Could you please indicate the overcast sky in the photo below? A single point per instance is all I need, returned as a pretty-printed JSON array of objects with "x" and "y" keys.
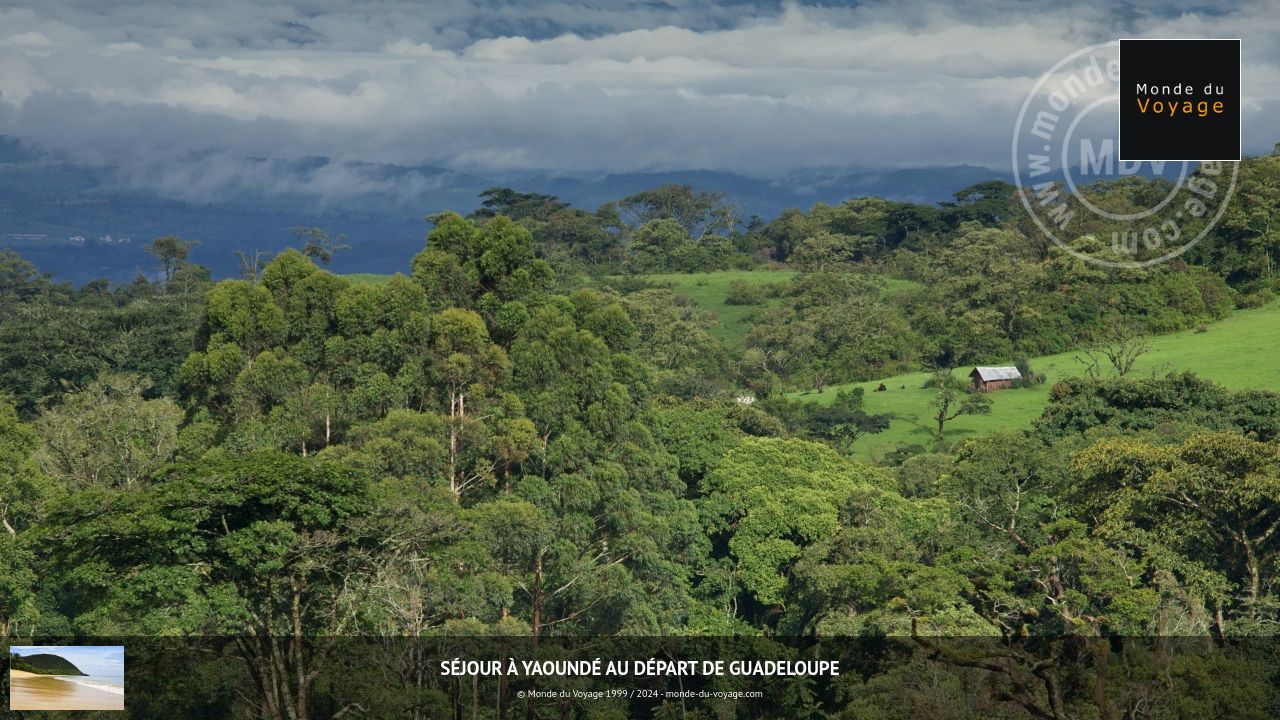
[{"x": 753, "y": 87}]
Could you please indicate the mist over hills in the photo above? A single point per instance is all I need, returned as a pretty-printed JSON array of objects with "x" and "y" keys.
[{"x": 82, "y": 221}]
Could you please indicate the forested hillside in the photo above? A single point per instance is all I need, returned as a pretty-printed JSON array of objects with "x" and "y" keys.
[
  {"x": 43, "y": 664},
  {"x": 529, "y": 433}
]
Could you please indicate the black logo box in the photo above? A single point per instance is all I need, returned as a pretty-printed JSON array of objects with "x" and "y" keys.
[{"x": 1180, "y": 64}]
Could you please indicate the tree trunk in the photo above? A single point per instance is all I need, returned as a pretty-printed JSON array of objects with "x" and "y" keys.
[
  {"x": 1251, "y": 567},
  {"x": 536, "y": 599},
  {"x": 502, "y": 681},
  {"x": 1219, "y": 633},
  {"x": 457, "y": 413},
  {"x": 300, "y": 668},
  {"x": 457, "y": 699},
  {"x": 1100, "y": 648}
]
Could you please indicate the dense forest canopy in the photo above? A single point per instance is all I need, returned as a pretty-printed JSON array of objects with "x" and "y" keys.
[{"x": 525, "y": 434}]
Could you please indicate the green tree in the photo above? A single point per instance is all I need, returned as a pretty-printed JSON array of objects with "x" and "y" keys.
[
  {"x": 951, "y": 401},
  {"x": 406, "y": 444},
  {"x": 879, "y": 572},
  {"x": 517, "y": 205},
  {"x": 52, "y": 343},
  {"x": 19, "y": 279},
  {"x": 18, "y": 586},
  {"x": 467, "y": 266},
  {"x": 23, "y": 488},
  {"x": 655, "y": 245},
  {"x": 844, "y": 421},
  {"x": 673, "y": 335},
  {"x": 466, "y": 363},
  {"x": 1174, "y": 401},
  {"x": 579, "y": 235},
  {"x": 108, "y": 435},
  {"x": 1210, "y": 502},
  {"x": 171, "y": 251},
  {"x": 786, "y": 232},
  {"x": 23, "y": 493},
  {"x": 1038, "y": 576},
  {"x": 697, "y": 212},
  {"x": 769, "y": 498},
  {"x": 318, "y": 244},
  {"x": 1245, "y": 244},
  {"x": 246, "y": 314},
  {"x": 987, "y": 202},
  {"x": 610, "y": 542},
  {"x": 263, "y": 547},
  {"x": 825, "y": 251}
]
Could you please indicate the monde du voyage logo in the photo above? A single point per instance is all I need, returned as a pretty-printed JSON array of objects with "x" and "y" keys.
[{"x": 1164, "y": 110}]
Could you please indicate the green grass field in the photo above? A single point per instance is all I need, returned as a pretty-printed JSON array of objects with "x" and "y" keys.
[
  {"x": 709, "y": 290},
  {"x": 369, "y": 278},
  {"x": 1238, "y": 352}
]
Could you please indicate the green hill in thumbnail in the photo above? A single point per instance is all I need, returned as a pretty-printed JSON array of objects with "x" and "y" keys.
[{"x": 45, "y": 664}]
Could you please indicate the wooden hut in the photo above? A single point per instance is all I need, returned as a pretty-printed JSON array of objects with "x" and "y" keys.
[{"x": 986, "y": 379}]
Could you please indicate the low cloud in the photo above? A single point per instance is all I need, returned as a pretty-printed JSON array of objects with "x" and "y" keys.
[{"x": 755, "y": 88}]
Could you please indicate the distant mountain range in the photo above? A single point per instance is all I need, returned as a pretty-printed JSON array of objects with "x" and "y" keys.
[{"x": 82, "y": 221}]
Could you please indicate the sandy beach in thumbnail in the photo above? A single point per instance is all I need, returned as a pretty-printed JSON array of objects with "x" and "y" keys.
[{"x": 29, "y": 691}]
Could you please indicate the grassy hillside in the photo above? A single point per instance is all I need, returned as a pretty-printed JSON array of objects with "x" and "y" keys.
[
  {"x": 709, "y": 290},
  {"x": 1238, "y": 352},
  {"x": 369, "y": 278}
]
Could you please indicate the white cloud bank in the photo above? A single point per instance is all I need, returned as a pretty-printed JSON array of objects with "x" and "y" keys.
[{"x": 756, "y": 89}]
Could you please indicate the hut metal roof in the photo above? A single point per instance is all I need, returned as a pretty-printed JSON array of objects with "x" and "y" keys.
[{"x": 996, "y": 373}]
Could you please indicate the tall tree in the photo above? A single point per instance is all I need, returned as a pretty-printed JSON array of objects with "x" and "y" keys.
[
  {"x": 698, "y": 212},
  {"x": 246, "y": 314},
  {"x": 318, "y": 244},
  {"x": 517, "y": 205},
  {"x": 171, "y": 251},
  {"x": 467, "y": 364},
  {"x": 465, "y": 265}
]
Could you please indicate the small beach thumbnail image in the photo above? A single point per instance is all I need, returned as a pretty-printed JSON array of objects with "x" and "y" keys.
[{"x": 66, "y": 677}]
